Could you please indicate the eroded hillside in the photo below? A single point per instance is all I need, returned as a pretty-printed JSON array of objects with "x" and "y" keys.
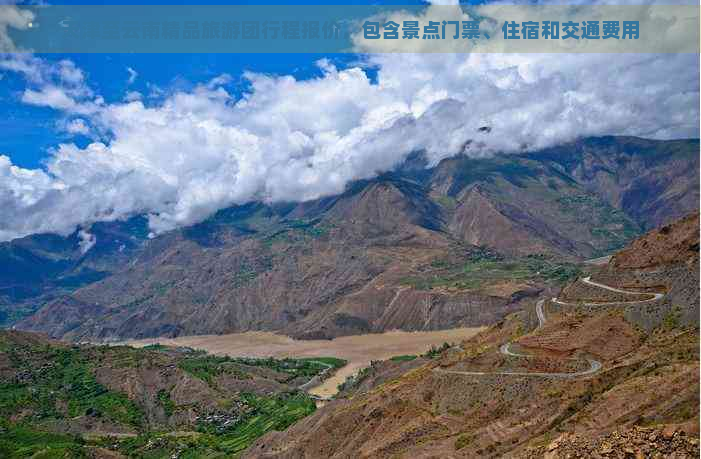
[{"x": 613, "y": 373}]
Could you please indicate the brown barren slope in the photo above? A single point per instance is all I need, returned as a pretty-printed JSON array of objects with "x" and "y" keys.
[{"x": 643, "y": 402}]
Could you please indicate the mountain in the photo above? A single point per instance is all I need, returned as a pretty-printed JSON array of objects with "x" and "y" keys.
[
  {"x": 463, "y": 243},
  {"x": 37, "y": 269},
  {"x": 608, "y": 368},
  {"x": 58, "y": 400}
]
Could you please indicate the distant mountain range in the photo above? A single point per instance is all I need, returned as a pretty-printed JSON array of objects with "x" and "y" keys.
[{"x": 459, "y": 244}]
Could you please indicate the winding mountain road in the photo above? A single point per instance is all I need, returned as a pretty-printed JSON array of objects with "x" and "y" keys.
[
  {"x": 539, "y": 312},
  {"x": 587, "y": 280},
  {"x": 594, "y": 365}
]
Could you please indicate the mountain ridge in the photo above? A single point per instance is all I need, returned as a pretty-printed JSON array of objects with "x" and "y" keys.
[{"x": 333, "y": 266}]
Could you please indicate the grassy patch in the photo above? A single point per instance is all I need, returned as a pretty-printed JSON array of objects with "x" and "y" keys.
[
  {"x": 437, "y": 351},
  {"x": 268, "y": 414},
  {"x": 462, "y": 441},
  {"x": 263, "y": 415},
  {"x": 156, "y": 347},
  {"x": 166, "y": 402},
  {"x": 447, "y": 202},
  {"x": 484, "y": 267},
  {"x": 672, "y": 319},
  {"x": 207, "y": 367},
  {"x": 291, "y": 231},
  {"x": 403, "y": 358},
  {"x": 333, "y": 361},
  {"x": 22, "y": 441}
]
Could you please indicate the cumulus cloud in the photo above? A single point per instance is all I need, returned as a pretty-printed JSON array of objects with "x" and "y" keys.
[{"x": 187, "y": 153}]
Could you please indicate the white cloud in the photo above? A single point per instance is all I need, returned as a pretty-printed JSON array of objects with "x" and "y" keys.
[
  {"x": 443, "y": 2},
  {"x": 60, "y": 85},
  {"x": 188, "y": 153},
  {"x": 220, "y": 80},
  {"x": 26, "y": 64},
  {"x": 49, "y": 96},
  {"x": 77, "y": 126},
  {"x": 132, "y": 96},
  {"x": 69, "y": 73},
  {"x": 132, "y": 75},
  {"x": 86, "y": 242},
  {"x": 12, "y": 17}
]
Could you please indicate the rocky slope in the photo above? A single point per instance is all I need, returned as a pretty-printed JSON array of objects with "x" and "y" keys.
[
  {"x": 75, "y": 401},
  {"x": 643, "y": 400},
  {"x": 459, "y": 244}
]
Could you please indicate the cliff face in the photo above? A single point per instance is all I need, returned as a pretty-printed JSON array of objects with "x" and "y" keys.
[{"x": 417, "y": 249}]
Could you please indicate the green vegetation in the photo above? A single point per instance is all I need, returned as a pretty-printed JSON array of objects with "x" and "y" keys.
[
  {"x": 54, "y": 384},
  {"x": 274, "y": 413},
  {"x": 550, "y": 270},
  {"x": 333, "y": 361},
  {"x": 403, "y": 358},
  {"x": 208, "y": 367},
  {"x": 672, "y": 318},
  {"x": 166, "y": 402},
  {"x": 243, "y": 276},
  {"x": 447, "y": 202},
  {"x": 156, "y": 347},
  {"x": 261, "y": 415},
  {"x": 354, "y": 380},
  {"x": 22, "y": 441},
  {"x": 437, "y": 351},
  {"x": 462, "y": 441},
  {"x": 291, "y": 231},
  {"x": 307, "y": 367},
  {"x": 66, "y": 381},
  {"x": 613, "y": 229},
  {"x": 470, "y": 170},
  {"x": 483, "y": 267}
]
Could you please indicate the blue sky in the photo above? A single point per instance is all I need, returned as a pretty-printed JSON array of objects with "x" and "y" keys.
[{"x": 29, "y": 131}]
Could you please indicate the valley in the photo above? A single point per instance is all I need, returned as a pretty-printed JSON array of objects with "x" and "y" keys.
[
  {"x": 357, "y": 350},
  {"x": 607, "y": 363},
  {"x": 462, "y": 243},
  {"x": 536, "y": 305}
]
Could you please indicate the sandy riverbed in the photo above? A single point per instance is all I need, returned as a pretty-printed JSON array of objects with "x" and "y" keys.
[{"x": 358, "y": 350}]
